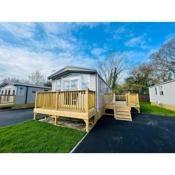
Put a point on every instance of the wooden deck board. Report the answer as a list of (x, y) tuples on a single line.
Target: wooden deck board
[(66, 113)]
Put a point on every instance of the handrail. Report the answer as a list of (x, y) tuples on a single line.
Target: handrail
[(131, 99), (80, 100)]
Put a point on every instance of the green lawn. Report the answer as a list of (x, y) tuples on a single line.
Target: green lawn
[(38, 137), (147, 108)]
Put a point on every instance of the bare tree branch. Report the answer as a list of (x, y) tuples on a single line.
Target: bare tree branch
[(111, 68)]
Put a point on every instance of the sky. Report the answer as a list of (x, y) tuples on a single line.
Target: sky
[(47, 47)]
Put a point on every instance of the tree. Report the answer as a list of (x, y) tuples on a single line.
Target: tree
[(140, 79), (111, 68), (164, 61), (36, 78), (11, 79), (48, 84)]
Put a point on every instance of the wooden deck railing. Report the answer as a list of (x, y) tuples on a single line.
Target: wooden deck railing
[(132, 99), (120, 97), (109, 98), (80, 101), (7, 99)]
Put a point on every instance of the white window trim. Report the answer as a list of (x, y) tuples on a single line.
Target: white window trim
[(70, 79), (88, 76)]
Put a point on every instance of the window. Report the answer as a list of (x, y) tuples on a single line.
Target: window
[(5, 92), (161, 90), (74, 84), (9, 92), (58, 85), (13, 92), (155, 90), (2, 92), (20, 91), (70, 84), (66, 85), (33, 92), (85, 81)]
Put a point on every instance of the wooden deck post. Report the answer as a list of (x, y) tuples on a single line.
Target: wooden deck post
[(36, 100), (113, 97), (56, 100), (86, 102), (95, 118), (34, 116), (55, 120), (128, 99), (87, 124)]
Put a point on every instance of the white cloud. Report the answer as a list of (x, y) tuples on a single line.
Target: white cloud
[(58, 35), (20, 30), (97, 51), (20, 62), (136, 41), (123, 31), (120, 30), (58, 28), (35, 55)]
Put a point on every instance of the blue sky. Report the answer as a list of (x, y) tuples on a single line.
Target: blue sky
[(47, 47)]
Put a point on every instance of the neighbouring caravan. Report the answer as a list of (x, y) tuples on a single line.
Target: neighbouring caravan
[(19, 93), (163, 94)]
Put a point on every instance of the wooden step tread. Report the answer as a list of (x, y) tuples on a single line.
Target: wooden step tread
[(122, 107), (125, 119), (122, 116), (122, 110), (122, 113)]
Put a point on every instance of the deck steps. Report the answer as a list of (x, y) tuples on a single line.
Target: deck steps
[(122, 112)]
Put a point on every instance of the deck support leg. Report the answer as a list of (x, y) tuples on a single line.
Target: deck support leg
[(55, 120), (87, 124), (58, 119), (139, 110), (34, 116), (95, 118)]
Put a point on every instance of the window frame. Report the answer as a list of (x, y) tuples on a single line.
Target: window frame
[(156, 90), (87, 82), (21, 91), (56, 85), (161, 91)]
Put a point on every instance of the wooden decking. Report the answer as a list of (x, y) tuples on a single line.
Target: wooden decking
[(121, 105), (72, 104)]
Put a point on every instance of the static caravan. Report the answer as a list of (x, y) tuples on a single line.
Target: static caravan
[(18, 93), (76, 92), (77, 78), (163, 94), (81, 93)]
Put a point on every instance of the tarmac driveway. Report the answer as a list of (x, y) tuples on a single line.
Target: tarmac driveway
[(9, 117), (146, 134)]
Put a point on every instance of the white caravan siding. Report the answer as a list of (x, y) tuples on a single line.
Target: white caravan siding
[(168, 96), (102, 88)]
